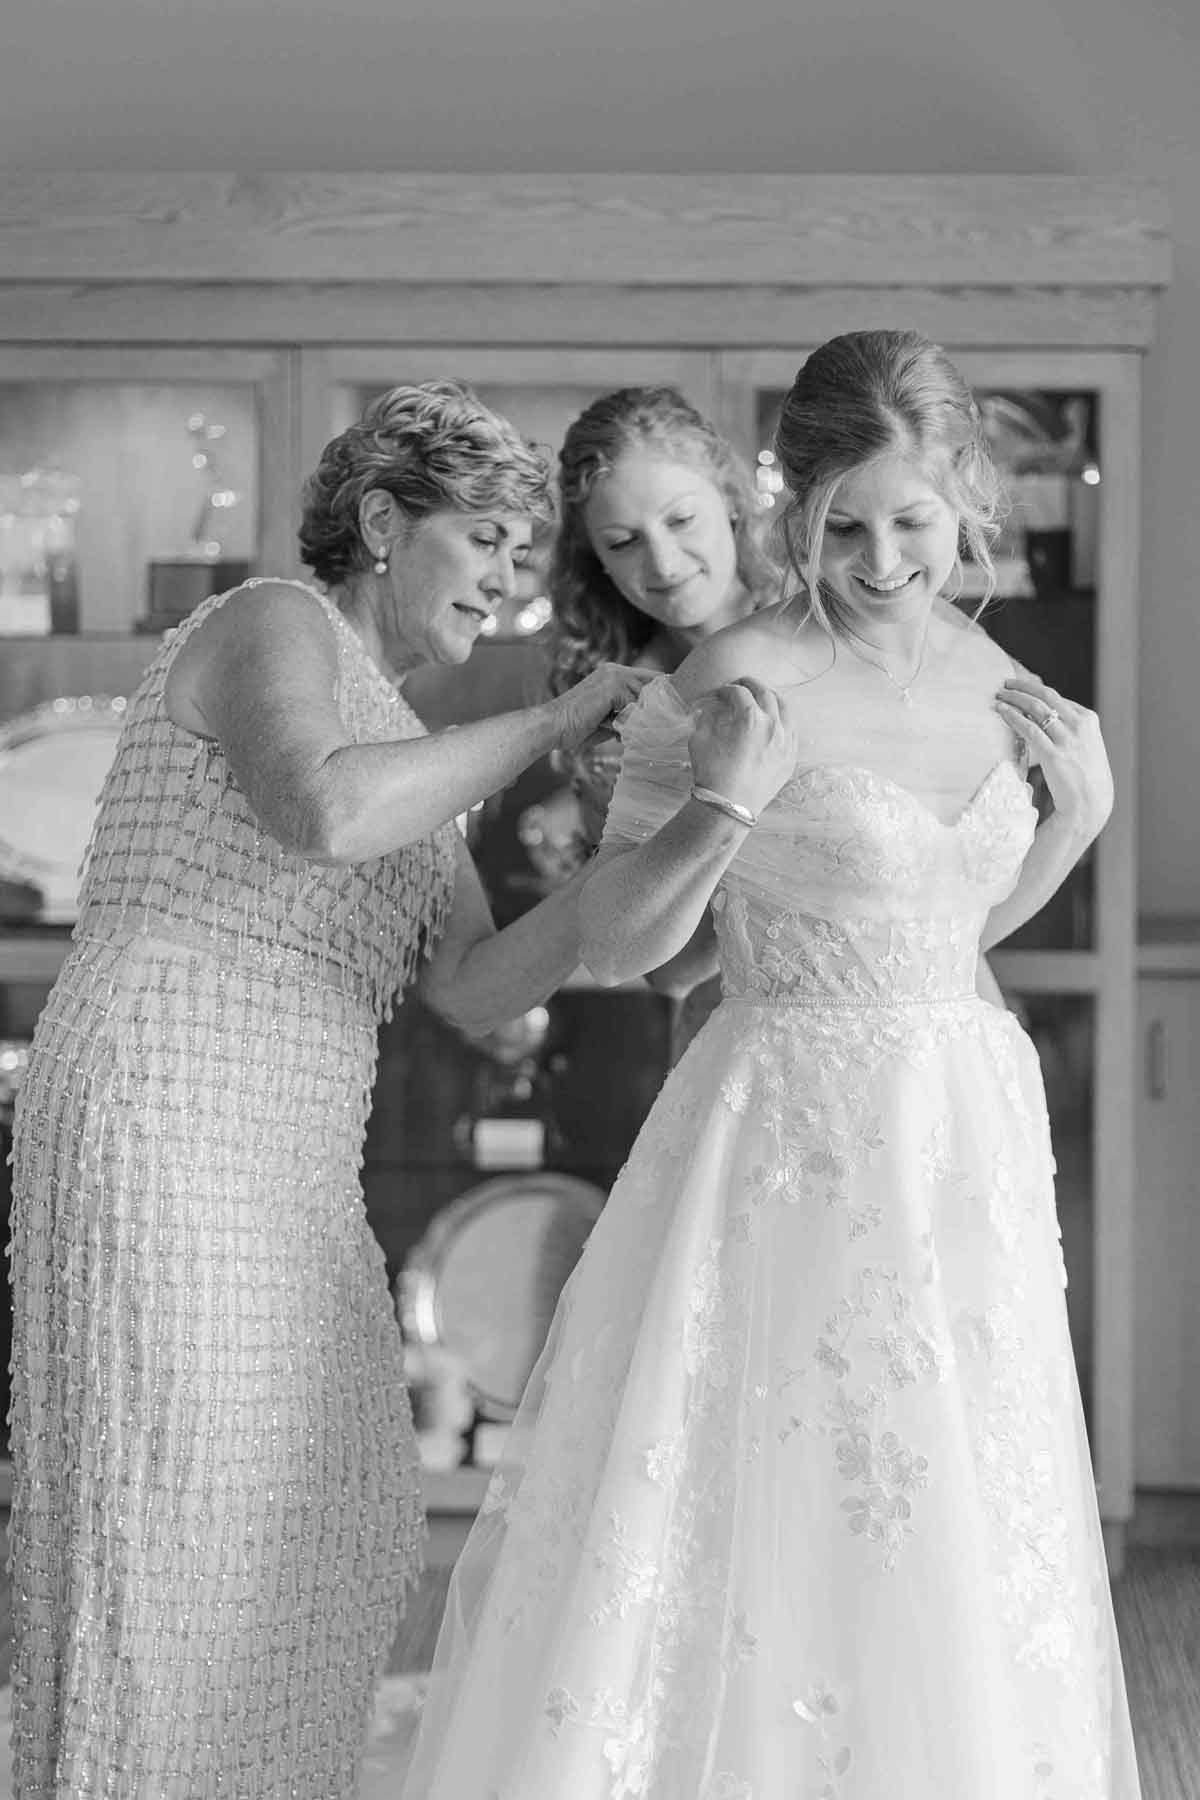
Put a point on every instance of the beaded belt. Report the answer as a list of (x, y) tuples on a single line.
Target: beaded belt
[(825, 1003)]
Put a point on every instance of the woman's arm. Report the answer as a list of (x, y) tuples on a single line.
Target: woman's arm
[(641, 907), (1055, 850), (598, 763), (260, 677), (697, 962), (479, 977), (1066, 741)]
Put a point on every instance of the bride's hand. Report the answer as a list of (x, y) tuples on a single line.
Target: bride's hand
[(1064, 739), (740, 745)]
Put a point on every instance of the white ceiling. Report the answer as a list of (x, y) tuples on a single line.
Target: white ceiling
[(579, 84)]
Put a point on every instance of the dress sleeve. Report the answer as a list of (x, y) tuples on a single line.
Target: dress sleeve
[(656, 771)]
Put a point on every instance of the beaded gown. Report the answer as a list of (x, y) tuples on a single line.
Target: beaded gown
[(798, 1503), (216, 1506)]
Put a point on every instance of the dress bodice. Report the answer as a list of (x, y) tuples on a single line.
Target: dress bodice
[(177, 853), (851, 889)]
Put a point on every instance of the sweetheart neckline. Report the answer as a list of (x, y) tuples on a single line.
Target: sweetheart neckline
[(897, 787)]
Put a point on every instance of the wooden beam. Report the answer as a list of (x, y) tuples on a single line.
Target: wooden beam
[(526, 313), (685, 230)]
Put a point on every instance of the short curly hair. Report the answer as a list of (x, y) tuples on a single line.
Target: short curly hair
[(592, 621), (434, 446), (864, 395)]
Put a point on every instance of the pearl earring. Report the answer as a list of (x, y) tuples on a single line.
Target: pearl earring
[(381, 563)]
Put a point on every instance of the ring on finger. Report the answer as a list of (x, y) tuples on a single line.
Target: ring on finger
[(1050, 717)]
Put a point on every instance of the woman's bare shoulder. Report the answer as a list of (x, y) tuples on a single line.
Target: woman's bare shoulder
[(768, 645), (265, 631), (972, 645)]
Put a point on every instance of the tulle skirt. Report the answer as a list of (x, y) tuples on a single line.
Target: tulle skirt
[(798, 1501)]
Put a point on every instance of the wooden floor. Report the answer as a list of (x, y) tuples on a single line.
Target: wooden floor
[(1158, 1616), (1157, 1603)]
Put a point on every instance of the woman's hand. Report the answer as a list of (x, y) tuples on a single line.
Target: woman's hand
[(1064, 740), (740, 745), (584, 708)]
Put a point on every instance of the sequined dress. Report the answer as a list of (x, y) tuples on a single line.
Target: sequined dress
[(798, 1503), (216, 1506)]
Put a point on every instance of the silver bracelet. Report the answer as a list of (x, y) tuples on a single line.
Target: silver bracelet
[(733, 809)]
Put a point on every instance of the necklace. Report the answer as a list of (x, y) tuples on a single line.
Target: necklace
[(903, 688)]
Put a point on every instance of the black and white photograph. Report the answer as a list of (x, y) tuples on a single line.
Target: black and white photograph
[(600, 901)]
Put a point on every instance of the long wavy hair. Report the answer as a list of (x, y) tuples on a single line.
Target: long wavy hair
[(433, 446), (593, 622), (865, 395)]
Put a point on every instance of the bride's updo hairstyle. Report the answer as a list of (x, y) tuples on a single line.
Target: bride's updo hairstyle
[(869, 394), (434, 446)]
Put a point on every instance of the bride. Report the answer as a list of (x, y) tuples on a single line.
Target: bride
[(798, 1503)]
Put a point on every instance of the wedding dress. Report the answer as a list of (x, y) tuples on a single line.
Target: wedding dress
[(798, 1504)]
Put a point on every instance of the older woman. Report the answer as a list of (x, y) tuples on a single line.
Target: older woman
[(215, 1510)]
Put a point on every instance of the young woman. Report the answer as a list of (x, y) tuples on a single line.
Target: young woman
[(799, 1500), (661, 543)]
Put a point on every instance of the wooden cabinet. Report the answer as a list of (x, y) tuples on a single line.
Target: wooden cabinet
[(290, 299), (1166, 1234)]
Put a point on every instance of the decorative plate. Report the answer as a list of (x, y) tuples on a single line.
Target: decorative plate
[(486, 1277), (53, 761)]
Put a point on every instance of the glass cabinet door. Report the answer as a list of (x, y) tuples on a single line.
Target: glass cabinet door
[(131, 484)]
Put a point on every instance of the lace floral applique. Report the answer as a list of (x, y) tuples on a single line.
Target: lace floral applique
[(637, 1576), (1011, 1204), (627, 1743), (561, 1708), (715, 1327), (498, 1495), (669, 1563), (726, 1786), (673, 1140), (888, 1474), (822, 1129), (628, 1752), (638, 1736), (868, 1452), (996, 835), (885, 848), (820, 1709), (664, 1460), (936, 1160), (736, 1095), (742, 1644), (543, 1519), (1016, 1455), (806, 955)]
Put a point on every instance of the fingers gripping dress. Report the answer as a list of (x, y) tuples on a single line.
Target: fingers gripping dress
[(799, 1503), (216, 1508)]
